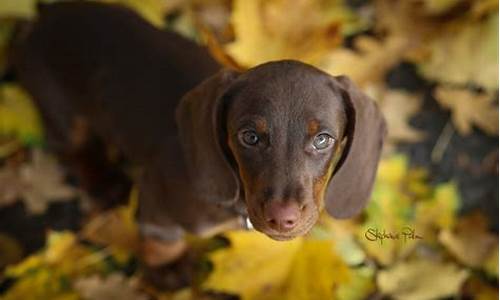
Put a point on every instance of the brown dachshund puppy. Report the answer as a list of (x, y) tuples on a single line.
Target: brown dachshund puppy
[(282, 140)]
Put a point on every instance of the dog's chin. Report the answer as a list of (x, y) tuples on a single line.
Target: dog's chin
[(282, 238)]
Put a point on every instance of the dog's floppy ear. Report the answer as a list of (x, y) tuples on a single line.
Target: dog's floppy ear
[(198, 119), (350, 187)]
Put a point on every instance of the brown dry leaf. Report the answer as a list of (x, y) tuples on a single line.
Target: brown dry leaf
[(436, 7), (11, 186), (408, 19), (214, 16), (421, 279), (468, 109), (370, 62), (43, 181), (264, 33), (470, 242), (115, 286), (477, 289), (481, 8), (398, 107), (115, 228), (36, 183)]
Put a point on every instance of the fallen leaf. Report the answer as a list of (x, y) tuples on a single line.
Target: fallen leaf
[(116, 229), (477, 289), (436, 7), (11, 186), (43, 183), (371, 60), (42, 284), (490, 265), (481, 8), (37, 183), (439, 211), (248, 254), (46, 275), (25, 9), (151, 10), (470, 241), (359, 286), (114, 286), (469, 109), (398, 107), (466, 52), (7, 26), (343, 234), (18, 116), (316, 272), (297, 269), (10, 250), (421, 279), (262, 25)]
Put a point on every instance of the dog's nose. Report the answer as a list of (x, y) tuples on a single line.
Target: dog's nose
[(282, 216)]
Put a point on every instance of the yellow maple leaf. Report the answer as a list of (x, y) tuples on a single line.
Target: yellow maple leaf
[(63, 254), (42, 284), (468, 109), (371, 60), (421, 279), (465, 52), (263, 33), (46, 275), (438, 211), (18, 8), (151, 10), (18, 116), (256, 267), (490, 265)]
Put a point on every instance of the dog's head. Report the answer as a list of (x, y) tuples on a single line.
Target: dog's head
[(288, 138)]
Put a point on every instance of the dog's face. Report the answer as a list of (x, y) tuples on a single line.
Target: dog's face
[(285, 130), (285, 136)]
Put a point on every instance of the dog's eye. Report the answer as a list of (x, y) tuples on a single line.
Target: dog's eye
[(322, 141), (249, 137)]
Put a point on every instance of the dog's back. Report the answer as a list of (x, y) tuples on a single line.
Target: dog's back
[(106, 64)]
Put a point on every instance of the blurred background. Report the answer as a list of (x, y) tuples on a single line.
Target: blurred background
[(432, 67)]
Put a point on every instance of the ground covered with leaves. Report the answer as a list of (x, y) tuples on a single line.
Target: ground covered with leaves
[(430, 230)]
